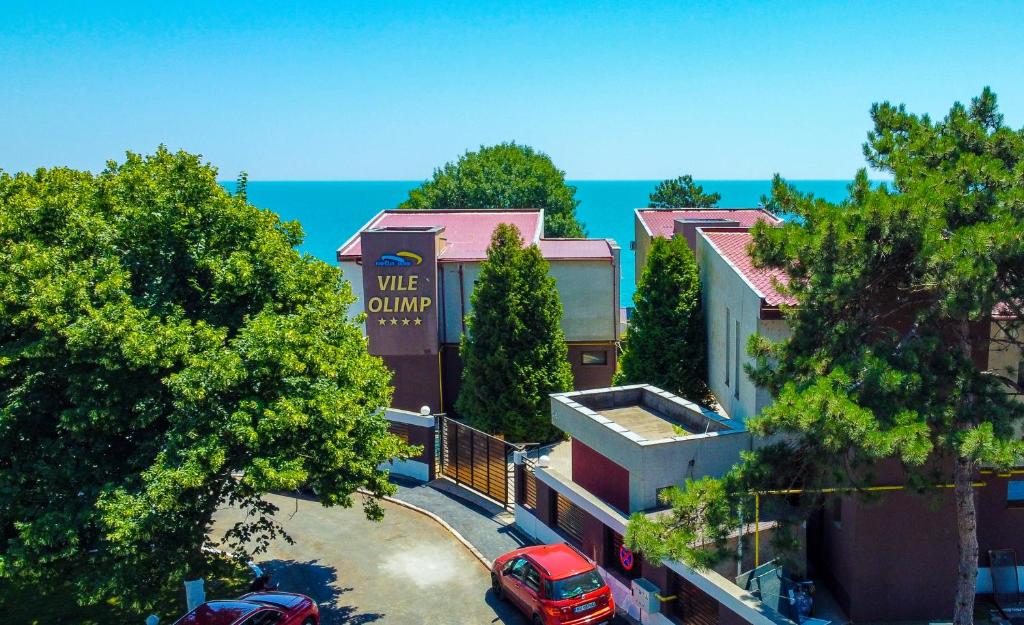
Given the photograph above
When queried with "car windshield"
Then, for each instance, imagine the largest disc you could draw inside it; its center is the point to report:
(576, 585)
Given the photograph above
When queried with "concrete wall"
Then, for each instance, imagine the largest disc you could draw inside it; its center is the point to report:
(354, 274)
(651, 464)
(641, 246)
(729, 299)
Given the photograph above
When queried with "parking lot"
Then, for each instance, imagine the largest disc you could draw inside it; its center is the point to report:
(404, 569)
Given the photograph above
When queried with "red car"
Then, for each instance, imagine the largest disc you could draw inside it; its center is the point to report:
(256, 608)
(553, 584)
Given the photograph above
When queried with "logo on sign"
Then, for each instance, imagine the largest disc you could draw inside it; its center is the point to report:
(399, 259)
(626, 558)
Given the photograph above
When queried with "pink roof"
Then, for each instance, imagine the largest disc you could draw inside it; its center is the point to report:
(660, 222)
(467, 232)
(583, 249)
(732, 245)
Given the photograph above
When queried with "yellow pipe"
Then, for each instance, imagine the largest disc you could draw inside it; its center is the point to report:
(850, 489)
(757, 530)
(669, 598)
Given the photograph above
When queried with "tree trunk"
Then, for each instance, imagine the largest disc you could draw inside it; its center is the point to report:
(967, 542)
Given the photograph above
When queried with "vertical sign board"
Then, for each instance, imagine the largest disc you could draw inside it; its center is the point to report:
(400, 290)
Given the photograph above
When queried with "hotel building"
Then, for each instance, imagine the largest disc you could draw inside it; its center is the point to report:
(413, 273)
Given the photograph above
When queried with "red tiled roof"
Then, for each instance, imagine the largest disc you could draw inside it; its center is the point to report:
(732, 246)
(583, 249)
(660, 222)
(467, 232)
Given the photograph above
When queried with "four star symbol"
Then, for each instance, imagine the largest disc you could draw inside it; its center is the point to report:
(416, 321)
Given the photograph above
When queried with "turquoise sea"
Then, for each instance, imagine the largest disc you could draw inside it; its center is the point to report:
(331, 211)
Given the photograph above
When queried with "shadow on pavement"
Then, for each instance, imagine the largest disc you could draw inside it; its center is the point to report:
(507, 613)
(321, 584)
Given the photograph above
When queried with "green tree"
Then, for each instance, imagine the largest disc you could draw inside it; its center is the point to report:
(681, 192)
(666, 344)
(165, 350)
(896, 288)
(514, 351)
(507, 175)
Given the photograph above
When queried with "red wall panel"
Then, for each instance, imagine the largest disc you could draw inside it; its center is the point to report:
(599, 475)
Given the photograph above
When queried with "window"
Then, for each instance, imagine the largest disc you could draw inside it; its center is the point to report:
(594, 358)
(1020, 373)
(736, 377)
(515, 567)
(264, 617)
(1015, 493)
(531, 577)
(574, 586)
(728, 359)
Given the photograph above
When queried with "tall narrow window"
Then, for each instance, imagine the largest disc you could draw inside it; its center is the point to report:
(736, 376)
(728, 359)
(1020, 373)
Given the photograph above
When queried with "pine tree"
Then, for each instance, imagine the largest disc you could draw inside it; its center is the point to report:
(681, 192)
(514, 351)
(667, 345)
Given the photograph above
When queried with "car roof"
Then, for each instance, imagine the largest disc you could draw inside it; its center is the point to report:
(558, 561)
(218, 613)
(282, 600)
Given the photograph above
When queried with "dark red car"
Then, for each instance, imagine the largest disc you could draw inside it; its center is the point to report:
(553, 584)
(256, 608)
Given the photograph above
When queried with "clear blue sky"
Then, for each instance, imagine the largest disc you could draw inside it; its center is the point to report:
(389, 90)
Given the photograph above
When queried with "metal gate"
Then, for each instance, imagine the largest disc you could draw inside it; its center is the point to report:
(477, 460)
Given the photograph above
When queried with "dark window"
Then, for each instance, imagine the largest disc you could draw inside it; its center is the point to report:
(515, 567)
(1015, 492)
(1020, 373)
(265, 617)
(736, 377)
(531, 577)
(594, 358)
(728, 344)
(574, 586)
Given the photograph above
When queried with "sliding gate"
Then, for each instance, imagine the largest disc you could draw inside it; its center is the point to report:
(477, 460)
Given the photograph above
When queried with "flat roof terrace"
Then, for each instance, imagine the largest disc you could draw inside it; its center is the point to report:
(649, 413)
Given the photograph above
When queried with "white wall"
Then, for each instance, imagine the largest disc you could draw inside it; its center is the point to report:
(589, 304)
(724, 289)
(354, 274)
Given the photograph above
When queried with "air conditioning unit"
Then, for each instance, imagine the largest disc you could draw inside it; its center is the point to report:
(645, 595)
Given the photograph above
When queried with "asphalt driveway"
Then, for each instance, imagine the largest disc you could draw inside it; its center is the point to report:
(404, 569)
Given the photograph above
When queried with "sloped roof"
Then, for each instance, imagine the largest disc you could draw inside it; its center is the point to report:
(467, 233)
(660, 222)
(733, 244)
(576, 249)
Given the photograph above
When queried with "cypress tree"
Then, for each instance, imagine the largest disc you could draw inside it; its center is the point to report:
(514, 351)
(666, 345)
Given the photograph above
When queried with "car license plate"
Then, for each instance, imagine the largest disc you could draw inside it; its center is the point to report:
(584, 607)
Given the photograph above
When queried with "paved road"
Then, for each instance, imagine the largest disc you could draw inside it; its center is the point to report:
(485, 524)
(404, 569)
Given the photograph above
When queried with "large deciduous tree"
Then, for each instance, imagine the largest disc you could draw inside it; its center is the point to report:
(514, 349)
(507, 175)
(165, 350)
(667, 344)
(682, 192)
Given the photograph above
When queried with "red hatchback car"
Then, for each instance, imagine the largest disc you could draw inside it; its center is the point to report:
(256, 608)
(553, 584)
